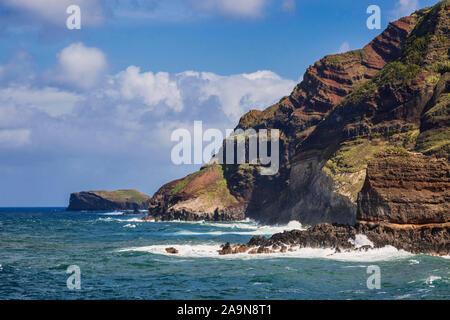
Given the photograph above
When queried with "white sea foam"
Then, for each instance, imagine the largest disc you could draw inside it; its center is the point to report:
(360, 241)
(432, 279)
(121, 219)
(211, 251)
(243, 229)
(129, 225)
(114, 213)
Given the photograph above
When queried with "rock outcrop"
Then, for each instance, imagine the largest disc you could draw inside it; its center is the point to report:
(108, 200)
(405, 188)
(365, 142)
(427, 239)
(404, 203)
(203, 195)
(324, 85)
(405, 106)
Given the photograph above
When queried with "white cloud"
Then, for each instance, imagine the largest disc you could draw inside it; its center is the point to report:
(405, 8)
(50, 100)
(149, 88)
(233, 8)
(54, 11)
(117, 133)
(239, 93)
(81, 66)
(345, 46)
(14, 138)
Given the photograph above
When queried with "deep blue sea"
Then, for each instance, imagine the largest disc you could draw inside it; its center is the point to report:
(121, 257)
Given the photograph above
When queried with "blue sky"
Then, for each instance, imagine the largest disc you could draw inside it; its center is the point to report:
(94, 108)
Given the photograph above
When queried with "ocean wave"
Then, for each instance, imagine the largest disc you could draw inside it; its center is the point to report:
(109, 219)
(242, 229)
(431, 279)
(360, 241)
(211, 251)
(129, 225)
(113, 213)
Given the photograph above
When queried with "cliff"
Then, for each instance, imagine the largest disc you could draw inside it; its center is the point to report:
(108, 200)
(405, 188)
(338, 128)
(404, 106)
(324, 85)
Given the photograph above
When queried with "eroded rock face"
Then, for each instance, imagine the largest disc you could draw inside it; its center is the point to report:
(348, 108)
(376, 160)
(203, 195)
(108, 200)
(402, 106)
(406, 188)
(324, 85)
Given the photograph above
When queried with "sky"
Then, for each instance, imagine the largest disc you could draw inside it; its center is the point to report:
(94, 108)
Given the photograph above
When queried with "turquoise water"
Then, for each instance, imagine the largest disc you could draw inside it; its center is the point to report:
(121, 257)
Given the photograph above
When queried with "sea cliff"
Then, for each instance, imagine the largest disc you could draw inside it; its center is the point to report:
(364, 148)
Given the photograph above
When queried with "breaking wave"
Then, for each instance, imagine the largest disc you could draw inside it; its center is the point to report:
(209, 250)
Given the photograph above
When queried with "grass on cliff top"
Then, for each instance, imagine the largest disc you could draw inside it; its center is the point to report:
(393, 73)
(436, 140)
(431, 141)
(179, 187)
(216, 190)
(406, 67)
(122, 195)
(440, 67)
(352, 156)
(345, 165)
(440, 112)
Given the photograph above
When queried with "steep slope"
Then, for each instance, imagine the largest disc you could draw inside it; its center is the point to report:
(405, 188)
(108, 200)
(324, 85)
(405, 105)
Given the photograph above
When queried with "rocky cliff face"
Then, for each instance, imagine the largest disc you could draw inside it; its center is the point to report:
(325, 83)
(405, 188)
(108, 200)
(392, 109)
(203, 195)
(348, 109)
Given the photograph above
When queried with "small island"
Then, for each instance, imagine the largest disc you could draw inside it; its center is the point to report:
(108, 200)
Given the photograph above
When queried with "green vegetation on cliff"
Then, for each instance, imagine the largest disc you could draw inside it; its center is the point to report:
(130, 195)
(208, 184)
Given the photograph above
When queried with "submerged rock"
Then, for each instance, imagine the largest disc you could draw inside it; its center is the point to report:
(171, 250)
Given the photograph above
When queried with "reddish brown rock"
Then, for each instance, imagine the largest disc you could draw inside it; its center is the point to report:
(405, 188)
(171, 250)
(248, 194)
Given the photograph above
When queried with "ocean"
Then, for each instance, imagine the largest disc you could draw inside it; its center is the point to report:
(121, 257)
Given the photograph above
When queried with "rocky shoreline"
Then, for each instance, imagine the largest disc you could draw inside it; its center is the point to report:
(426, 239)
